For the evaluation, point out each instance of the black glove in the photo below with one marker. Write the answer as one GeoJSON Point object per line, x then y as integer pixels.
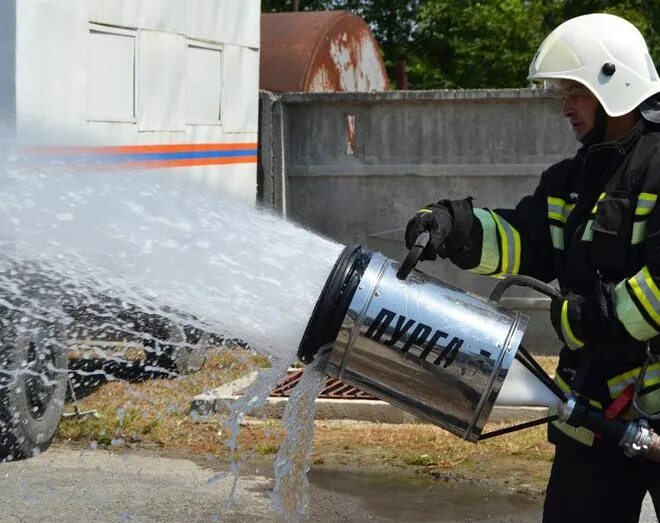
{"type": "Point", "coordinates": [575, 317]}
{"type": "Point", "coordinates": [437, 219]}
{"type": "Point", "coordinates": [450, 225]}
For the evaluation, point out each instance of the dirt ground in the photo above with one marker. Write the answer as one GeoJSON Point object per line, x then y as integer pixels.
{"type": "Point", "coordinates": [152, 414]}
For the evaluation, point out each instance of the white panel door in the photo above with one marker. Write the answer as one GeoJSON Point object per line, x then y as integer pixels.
{"type": "Point", "coordinates": [110, 74]}
{"type": "Point", "coordinates": [203, 83]}
{"type": "Point", "coordinates": [161, 64]}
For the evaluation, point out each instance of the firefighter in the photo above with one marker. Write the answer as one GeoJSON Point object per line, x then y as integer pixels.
{"type": "Point", "coordinates": [593, 223]}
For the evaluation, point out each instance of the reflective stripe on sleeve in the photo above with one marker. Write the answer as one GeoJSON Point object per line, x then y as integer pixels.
{"type": "Point", "coordinates": [558, 209]}
{"type": "Point", "coordinates": [558, 212]}
{"type": "Point", "coordinates": [637, 304]}
{"type": "Point", "coordinates": [645, 203]}
{"type": "Point", "coordinates": [571, 340]}
{"type": "Point", "coordinates": [490, 250]}
{"type": "Point", "coordinates": [509, 247]}
{"type": "Point", "coordinates": [500, 249]}
{"type": "Point", "coordinates": [647, 292]}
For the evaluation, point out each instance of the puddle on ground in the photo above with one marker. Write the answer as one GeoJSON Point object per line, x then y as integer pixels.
{"type": "Point", "coordinates": [393, 496]}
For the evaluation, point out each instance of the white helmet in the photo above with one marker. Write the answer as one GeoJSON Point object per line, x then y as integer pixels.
{"type": "Point", "coordinates": [605, 53]}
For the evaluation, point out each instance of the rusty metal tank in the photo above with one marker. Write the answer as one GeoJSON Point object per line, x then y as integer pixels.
{"type": "Point", "coordinates": [319, 51]}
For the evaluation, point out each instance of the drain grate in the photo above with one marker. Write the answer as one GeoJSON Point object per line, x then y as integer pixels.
{"type": "Point", "coordinates": [334, 388]}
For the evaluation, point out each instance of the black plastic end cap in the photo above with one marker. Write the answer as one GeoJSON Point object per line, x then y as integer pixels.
{"type": "Point", "coordinates": [333, 303]}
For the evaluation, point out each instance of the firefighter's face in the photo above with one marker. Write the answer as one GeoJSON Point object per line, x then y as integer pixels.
{"type": "Point", "coordinates": [579, 106]}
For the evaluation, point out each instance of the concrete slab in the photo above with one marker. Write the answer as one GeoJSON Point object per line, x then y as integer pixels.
{"type": "Point", "coordinates": [220, 400]}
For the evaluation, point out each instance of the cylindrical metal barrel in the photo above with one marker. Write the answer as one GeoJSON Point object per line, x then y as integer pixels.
{"type": "Point", "coordinates": [432, 349]}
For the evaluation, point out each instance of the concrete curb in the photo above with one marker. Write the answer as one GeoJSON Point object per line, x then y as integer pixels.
{"type": "Point", "coordinates": [220, 400]}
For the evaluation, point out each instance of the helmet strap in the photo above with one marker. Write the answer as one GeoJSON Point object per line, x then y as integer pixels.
{"type": "Point", "coordinates": [597, 132]}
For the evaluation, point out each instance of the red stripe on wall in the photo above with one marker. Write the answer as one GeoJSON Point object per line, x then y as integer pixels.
{"type": "Point", "coordinates": [190, 162]}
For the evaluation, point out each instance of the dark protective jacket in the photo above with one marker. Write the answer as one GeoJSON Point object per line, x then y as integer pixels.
{"type": "Point", "coordinates": [593, 224]}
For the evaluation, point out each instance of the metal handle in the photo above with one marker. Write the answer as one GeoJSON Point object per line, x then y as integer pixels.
{"type": "Point", "coordinates": [523, 281]}
{"type": "Point", "coordinates": [639, 383]}
{"type": "Point", "coordinates": [413, 256]}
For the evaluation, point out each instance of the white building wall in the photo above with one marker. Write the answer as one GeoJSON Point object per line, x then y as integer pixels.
{"type": "Point", "coordinates": [76, 62]}
{"type": "Point", "coordinates": [7, 67]}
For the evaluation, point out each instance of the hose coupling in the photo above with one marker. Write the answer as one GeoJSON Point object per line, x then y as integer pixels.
{"type": "Point", "coordinates": [641, 440]}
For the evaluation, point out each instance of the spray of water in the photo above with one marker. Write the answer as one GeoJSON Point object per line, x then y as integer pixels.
{"type": "Point", "coordinates": [159, 243]}
{"type": "Point", "coordinates": [111, 249]}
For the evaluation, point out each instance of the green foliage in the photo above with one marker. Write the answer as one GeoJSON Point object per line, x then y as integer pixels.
{"type": "Point", "coordinates": [394, 22]}
{"type": "Point", "coordinates": [474, 43]}
{"type": "Point", "coordinates": [483, 43]}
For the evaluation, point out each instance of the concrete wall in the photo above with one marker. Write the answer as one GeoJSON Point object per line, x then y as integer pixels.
{"type": "Point", "coordinates": [356, 166]}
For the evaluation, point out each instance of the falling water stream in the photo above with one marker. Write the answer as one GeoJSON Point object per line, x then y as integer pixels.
{"type": "Point", "coordinates": [161, 244]}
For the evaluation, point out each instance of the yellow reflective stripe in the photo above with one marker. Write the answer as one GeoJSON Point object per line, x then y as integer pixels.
{"type": "Point", "coordinates": [557, 216]}
{"type": "Point", "coordinates": [584, 436]}
{"type": "Point", "coordinates": [562, 384]}
{"type": "Point", "coordinates": [490, 249]}
{"type": "Point", "coordinates": [645, 203]}
{"type": "Point", "coordinates": [647, 293]}
{"type": "Point", "coordinates": [571, 340]}
{"type": "Point", "coordinates": [424, 210]}
{"type": "Point", "coordinates": [631, 317]}
{"type": "Point", "coordinates": [620, 382]}
{"type": "Point", "coordinates": [595, 209]}
{"type": "Point", "coordinates": [617, 384]}
{"type": "Point", "coordinates": [558, 209]}
{"type": "Point", "coordinates": [588, 234]}
{"type": "Point", "coordinates": [565, 387]}
{"type": "Point", "coordinates": [510, 246]}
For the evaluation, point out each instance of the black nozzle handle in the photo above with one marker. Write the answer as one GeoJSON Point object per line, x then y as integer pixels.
{"type": "Point", "coordinates": [413, 256]}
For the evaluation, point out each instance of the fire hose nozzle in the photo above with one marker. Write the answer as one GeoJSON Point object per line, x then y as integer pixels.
{"type": "Point", "coordinates": [635, 437]}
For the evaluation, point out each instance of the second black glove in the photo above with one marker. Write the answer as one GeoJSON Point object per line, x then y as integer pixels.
{"type": "Point", "coordinates": [437, 219]}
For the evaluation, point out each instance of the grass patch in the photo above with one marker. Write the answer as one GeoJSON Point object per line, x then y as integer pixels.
{"type": "Point", "coordinates": [155, 412]}
{"type": "Point", "coordinates": [266, 449]}
{"type": "Point", "coordinates": [420, 460]}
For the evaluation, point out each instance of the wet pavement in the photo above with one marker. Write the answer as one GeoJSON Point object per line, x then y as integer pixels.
{"type": "Point", "coordinates": [97, 485]}
{"type": "Point", "coordinates": [392, 496]}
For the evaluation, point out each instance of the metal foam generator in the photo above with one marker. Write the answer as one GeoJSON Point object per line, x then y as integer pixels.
{"type": "Point", "coordinates": [438, 351]}
{"type": "Point", "coordinates": [432, 349]}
